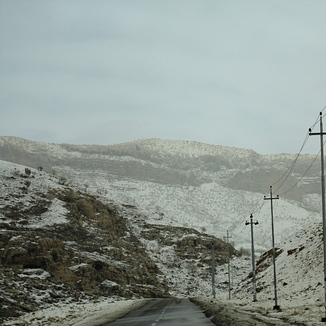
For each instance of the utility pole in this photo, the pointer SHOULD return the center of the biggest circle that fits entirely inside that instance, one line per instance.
(321, 134)
(229, 272)
(271, 198)
(251, 222)
(213, 271)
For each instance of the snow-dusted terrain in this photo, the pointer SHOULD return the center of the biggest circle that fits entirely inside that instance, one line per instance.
(157, 183)
(50, 262)
(214, 208)
(300, 275)
(300, 292)
(187, 183)
(81, 314)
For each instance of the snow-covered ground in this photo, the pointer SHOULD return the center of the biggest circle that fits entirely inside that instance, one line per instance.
(299, 275)
(299, 265)
(82, 314)
(210, 207)
(234, 312)
(294, 312)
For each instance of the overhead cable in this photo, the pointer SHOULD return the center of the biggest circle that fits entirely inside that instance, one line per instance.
(302, 175)
(290, 168)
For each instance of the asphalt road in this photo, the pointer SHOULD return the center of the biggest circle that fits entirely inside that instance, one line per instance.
(168, 312)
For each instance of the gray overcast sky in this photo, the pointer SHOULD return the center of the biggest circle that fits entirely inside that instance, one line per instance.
(240, 73)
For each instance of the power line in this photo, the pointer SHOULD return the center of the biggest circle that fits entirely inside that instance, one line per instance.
(290, 168)
(258, 211)
(314, 160)
(318, 118)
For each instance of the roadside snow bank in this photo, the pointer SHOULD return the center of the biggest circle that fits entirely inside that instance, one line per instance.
(295, 311)
(239, 312)
(86, 314)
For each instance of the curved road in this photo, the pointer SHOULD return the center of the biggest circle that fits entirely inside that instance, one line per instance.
(169, 312)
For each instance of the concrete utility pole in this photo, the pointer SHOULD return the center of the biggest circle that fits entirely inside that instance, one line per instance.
(321, 134)
(213, 271)
(251, 222)
(276, 306)
(229, 271)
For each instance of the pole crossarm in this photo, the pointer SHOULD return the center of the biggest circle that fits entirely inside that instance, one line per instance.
(271, 198)
(251, 221)
(321, 134)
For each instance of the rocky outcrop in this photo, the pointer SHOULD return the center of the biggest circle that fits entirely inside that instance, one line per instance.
(189, 243)
(91, 253)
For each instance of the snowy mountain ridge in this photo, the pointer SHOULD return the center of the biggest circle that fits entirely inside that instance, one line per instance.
(162, 146)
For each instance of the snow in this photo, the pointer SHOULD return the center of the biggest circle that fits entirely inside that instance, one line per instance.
(211, 207)
(181, 147)
(56, 214)
(221, 208)
(77, 267)
(300, 290)
(34, 273)
(25, 190)
(82, 314)
(299, 266)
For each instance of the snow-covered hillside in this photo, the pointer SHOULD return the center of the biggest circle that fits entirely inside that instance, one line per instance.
(183, 183)
(159, 217)
(62, 245)
(211, 207)
(300, 274)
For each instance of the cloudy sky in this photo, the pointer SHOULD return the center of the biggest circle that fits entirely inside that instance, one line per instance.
(242, 73)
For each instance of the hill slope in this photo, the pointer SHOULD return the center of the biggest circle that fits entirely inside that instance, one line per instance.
(300, 274)
(60, 244)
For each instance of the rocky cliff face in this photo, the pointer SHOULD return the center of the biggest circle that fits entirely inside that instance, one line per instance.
(58, 243)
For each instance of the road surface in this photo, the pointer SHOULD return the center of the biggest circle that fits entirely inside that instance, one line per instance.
(168, 312)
